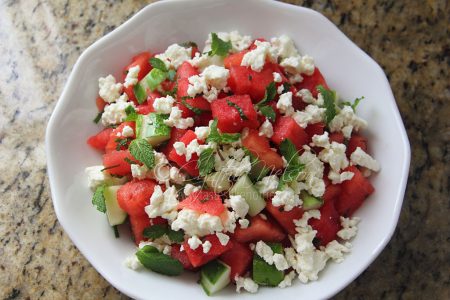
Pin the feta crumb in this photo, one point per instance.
(175, 119)
(309, 214)
(266, 129)
(109, 90)
(306, 96)
(202, 61)
(244, 223)
(238, 42)
(163, 105)
(194, 223)
(286, 198)
(310, 263)
(163, 204)
(132, 262)
(127, 131)
(335, 156)
(298, 64)
(194, 242)
(139, 172)
(321, 140)
(280, 262)
(349, 228)
(236, 168)
(206, 246)
(202, 132)
(361, 158)
(239, 205)
(277, 77)
(265, 252)
(176, 176)
(267, 185)
(223, 238)
(336, 251)
(311, 115)
(256, 58)
(280, 89)
(115, 113)
(337, 178)
(284, 104)
(210, 82)
(283, 46)
(174, 56)
(345, 117)
(245, 283)
(190, 188)
(132, 76)
(287, 281)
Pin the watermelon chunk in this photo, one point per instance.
(181, 256)
(188, 166)
(356, 141)
(100, 140)
(116, 164)
(259, 146)
(198, 258)
(285, 218)
(259, 230)
(286, 128)
(238, 258)
(138, 224)
(328, 225)
(311, 82)
(203, 202)
(135, 195)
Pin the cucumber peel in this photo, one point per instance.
(214, 276)
(115, 214)
(245, 188)
(311, 202)
(151, 127)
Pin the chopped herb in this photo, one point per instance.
(250, 77)
(294, 167)
(116, 231)
(98, 199)
(158, 262)
(239, 109)
(158, 64)
(196, 110)
(109, 167)
(286, 87)
(143, 151)
(268, 112)
(218, 46)
(205, 162)
(269, 95)
(98, 117)
(131, 162)
(121, 142)
(131, 113)
(189, 44)
(224, 138)
(158, 230)
(354, 104)
(329, 98)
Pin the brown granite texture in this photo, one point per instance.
(41, 40)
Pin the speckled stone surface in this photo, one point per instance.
(41, 40)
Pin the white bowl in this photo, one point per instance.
(346, 68)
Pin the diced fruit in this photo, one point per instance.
(259, 146)
(238, 258)
(214, 276)
(138, 224)
(356, 141)
(265, 274)
(328, 225)
(245, 188)
(175, 135)
(115, 214)
(310, 202)
(152, 128)
(285, 218)
(259, 230)
(260, 81)
(141, 60)
(116, 164)
(190, 166)
(286, 128)
(203, 119)
(135, 195)
(100, 103)
(186, 70)
(203, 202)
(313, 129)
(354, 192)
(337, 137)
(181, 256)
(198, 258)
(218, 182)
(116, 136)
(240, 80)
(100, 140)
(234, 60)
(228, 116)
(311, 82)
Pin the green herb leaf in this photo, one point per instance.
(158, 262)
(286, 87)
(329, 98)
(224, 138)
(121, 142)
(354, 104)
(288, 150)
(171, 74)
(271, 92)
(294, 167)
(98, 199)
(116, 232)
(98, 117)
(131, 162)
(131, 114)
(143, 151)
(268, 112)
(196, 110)
(205, 162)
(109, 167)
(158, 64)
(239, 109)
(155, 231)
(218, 46)
(175, 236)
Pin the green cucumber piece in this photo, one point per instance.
(247, 190)
(114, 213)
(218, 182)
(214, 276)
(310, 202)
(265, 274)
(151, 127)
(150, 82)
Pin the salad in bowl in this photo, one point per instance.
(238, 162)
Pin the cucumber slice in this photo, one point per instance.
(310, 202)
(265, 274)
(246, 189)
(114, 213)
(152, 128)
(150, 82)
(214, 276)
(218, 182)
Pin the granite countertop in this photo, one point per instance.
(40, 42)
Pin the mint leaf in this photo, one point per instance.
(155, 231)
(268, 112)
(288, 150)
(205, 162)
(355, 103)
(131, 113)
(228, 138)
(269, 95)
(218, 46)
(121, 143)
(286, 87)
(196, 110)
(175, 236)
(143, 151)
(98, 199)
(239, 109)
(294, 167)
(98, 118)
(158, 64)
(224, 138)
(329, 98)
(158, 262)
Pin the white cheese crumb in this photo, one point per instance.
(256, 58)
(311, 115)
(163, 105)
(239, 205)
(132, 262)
(202, 132)
(284, 104)
(336, 251)
(223, 238)
(109, 90)
(266, 129)
(267, 185)
(194, 223)
(337, 178)
(190, 188)
(132, 76)
(283, 46)
(361, 158)
(335, 156)
(115, 113)
(309, 214)
(245, 283)
(174, 56)
(176, 120)
(286, 198)
(349, 228)
(206, 246)
(176, 176)
(287, 281)
(163, 204)
(277, 77)
(127, 131)
(280, 262)
(345, 117)
(244, 223)
(264, 251)
(194, 242)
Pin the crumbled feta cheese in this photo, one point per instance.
(176, 176)
(265, 252)
(210, 82)
(114, 113)
(238, 42)
(139, 172)
(206, 246)
(223, 238)
(361, 158)
(163, 105)
(194, 242)
(161, 244)
(280, 262)
(132, 262)
(349, 228)
(97, 177)
(127, 131)
(347, 131)
(336, 251)
(293, 79)
(244, 223)
(190, 188)
(287, 281)
(345, 117)
(180, 148)
(230, 222)
(267, 185)
(109, 90)
(163, 204)
(337, 178)
(313, 166)
(201, 61)
(284, 104)
(174, 56)
(298, 64)
(194, 223)
(284, 46)
(266, 129)
(309, 214)
(286, 198)
(309, 264)
(256, 58)
(335, 156)
(280, 89)
(237, 168)
(306, 96)
(132, 76)
(202, 132)
(239, 205)
(245, 283)
(176, 120)
(277, 77)
(311, 115)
